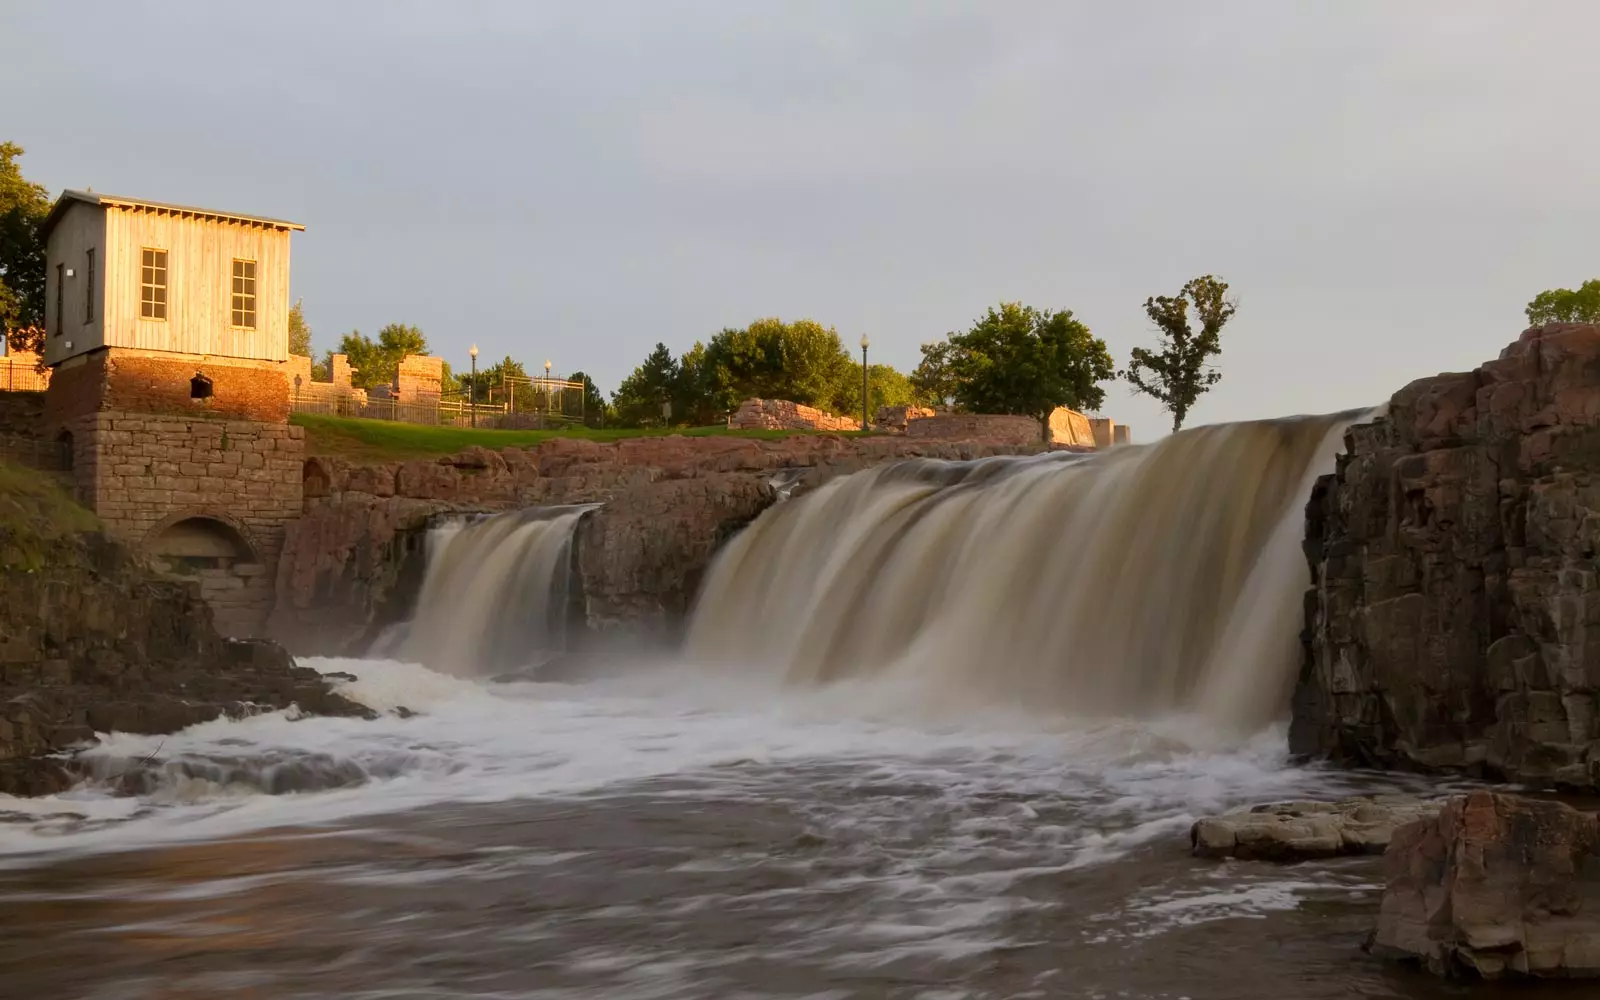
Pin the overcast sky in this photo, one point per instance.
(1384, 184)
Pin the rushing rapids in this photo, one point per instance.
(494, 598)
(1140, 580)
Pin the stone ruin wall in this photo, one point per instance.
(333, 392)
(782, 415)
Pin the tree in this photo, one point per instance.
(1178, 374)
(594, 409)
(887, 386)
(24, 206)
(640, 397)
(299, 332)
(934, 380)
(378, 362)
(1566, 305)
(803, 362)
(1018, 359)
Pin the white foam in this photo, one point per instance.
(475, 743)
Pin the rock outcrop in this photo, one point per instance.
(351, 562)
(93, 640)
(1454, 617)
(1494, 886)
(1306, 831)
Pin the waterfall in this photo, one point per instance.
(495, 594)
(1140, 580)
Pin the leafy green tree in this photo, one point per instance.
(1018, 359)
(803, 362)
(378, 361)
(1179, 372)
(887, 387)
(934, 380)
(1566, 305)
(299, 332)
(641, 396)
(23, 208)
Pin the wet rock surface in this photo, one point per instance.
(1454, 617)
(1304, 831)
(92, 640)
(670, 502)
(1494, 886)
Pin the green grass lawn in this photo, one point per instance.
(387, 440)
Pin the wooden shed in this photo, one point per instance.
(145, 275)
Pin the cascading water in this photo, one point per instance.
(1135, 581)
(494, 597)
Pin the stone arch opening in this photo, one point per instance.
(64, 451)
(192, 544)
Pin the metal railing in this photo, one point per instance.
(16, 377)
(443, 413)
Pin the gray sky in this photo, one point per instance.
(1384, 184)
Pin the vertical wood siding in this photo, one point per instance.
(82, 227)
(200, 255)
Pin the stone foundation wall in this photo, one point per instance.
(782, 415)
(156, 382)
(142, 472)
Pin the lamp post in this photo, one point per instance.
(472, 387)
(297, 392)
(864, 343)
(549, 392)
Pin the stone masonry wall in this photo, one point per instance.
(418, 379)
(142, 472)
(989, 427)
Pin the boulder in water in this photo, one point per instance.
(1494, 886)
(1303, 831)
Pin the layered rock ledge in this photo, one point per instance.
(93, 640)
(350, 562)
(1494, 886)
(1454, 617)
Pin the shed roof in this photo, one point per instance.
(116, 201)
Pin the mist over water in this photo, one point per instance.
(1133, 582)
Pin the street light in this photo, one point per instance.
(864, 343)
(472, 387)
(549, 391)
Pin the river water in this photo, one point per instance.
(670, 833)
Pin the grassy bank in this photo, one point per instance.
(388, 440)
(35, 512)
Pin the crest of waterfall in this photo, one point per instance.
(1135, 581)
(495, 593)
